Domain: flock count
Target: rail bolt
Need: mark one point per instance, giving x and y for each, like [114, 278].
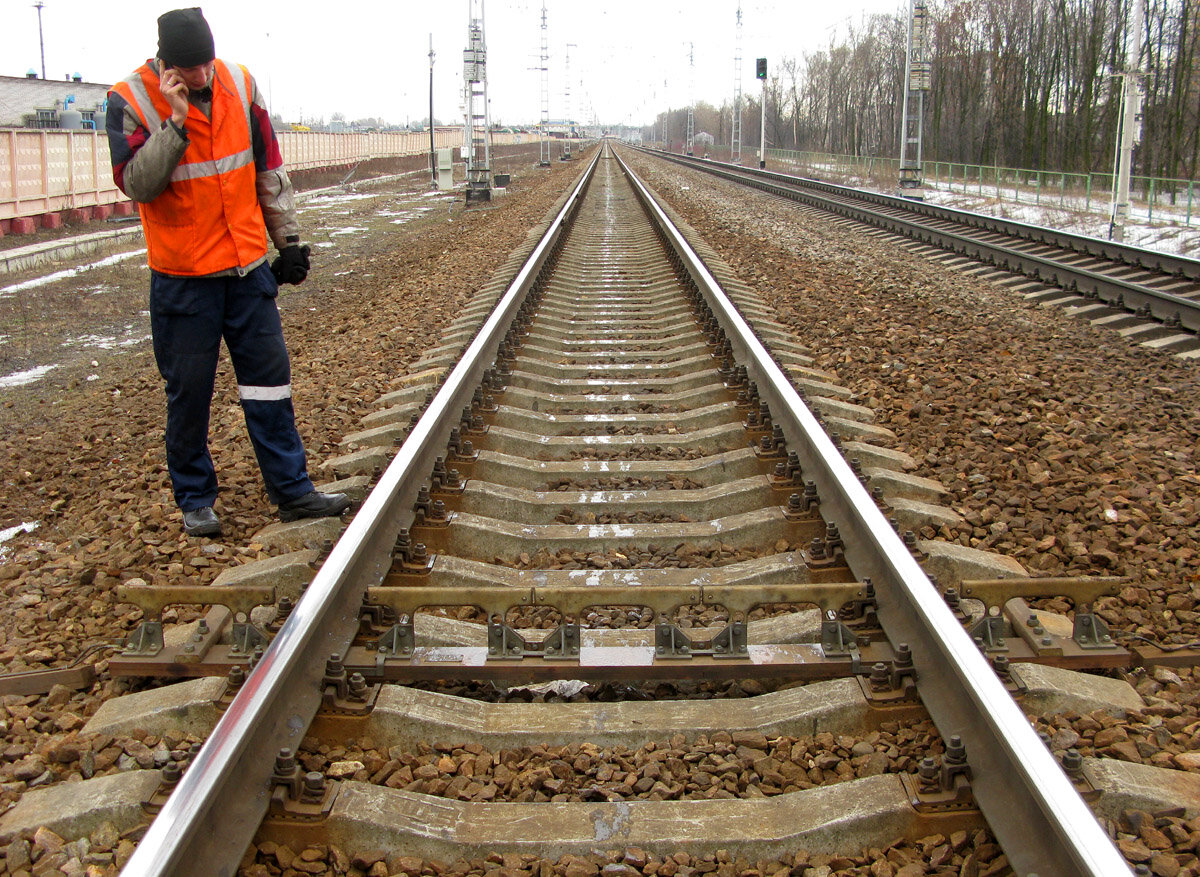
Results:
[927, 774]
[1072, 762]
[285, 764]
[314, 787]
[357, 687]
[334, 665]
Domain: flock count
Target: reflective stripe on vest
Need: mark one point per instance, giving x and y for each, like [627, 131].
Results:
[198, 169]
[139, 97]
[208, 219]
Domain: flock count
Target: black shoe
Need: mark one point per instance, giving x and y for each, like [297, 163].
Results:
[314, 504]
[201, 522]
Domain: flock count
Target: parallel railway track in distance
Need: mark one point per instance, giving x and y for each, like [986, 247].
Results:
[1152, 297]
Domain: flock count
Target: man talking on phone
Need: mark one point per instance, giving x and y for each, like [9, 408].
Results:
[192, 143]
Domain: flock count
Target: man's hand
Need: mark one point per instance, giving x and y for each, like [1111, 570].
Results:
[175, 90]
[291, 265]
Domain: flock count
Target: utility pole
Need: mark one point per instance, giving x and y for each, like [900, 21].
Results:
[544, 142]
[1131, 127]
[432, 151]
[666, 131]
[568, 109]
[690, 143]
[916, 83]
[41, 43]
[761, 72]
[735, 129]
[477, 134]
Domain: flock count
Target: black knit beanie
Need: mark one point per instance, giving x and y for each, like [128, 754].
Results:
[184, 38]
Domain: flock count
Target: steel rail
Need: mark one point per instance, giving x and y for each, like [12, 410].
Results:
[205, 826]
[1038, 817]
[1111, 290]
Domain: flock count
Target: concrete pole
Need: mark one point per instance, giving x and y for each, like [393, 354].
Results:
[1132, 93]
[41, 43]
[432, 151]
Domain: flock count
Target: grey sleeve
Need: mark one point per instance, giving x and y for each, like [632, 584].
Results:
[278, 204]
[148, 172]
[274, 187]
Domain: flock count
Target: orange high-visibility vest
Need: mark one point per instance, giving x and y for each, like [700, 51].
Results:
[208, 218]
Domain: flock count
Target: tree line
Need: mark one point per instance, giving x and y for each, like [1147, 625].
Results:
[1016, 83]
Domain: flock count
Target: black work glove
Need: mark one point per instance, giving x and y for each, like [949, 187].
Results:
[291, 265]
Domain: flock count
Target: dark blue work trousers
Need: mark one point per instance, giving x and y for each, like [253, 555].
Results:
[188, 317]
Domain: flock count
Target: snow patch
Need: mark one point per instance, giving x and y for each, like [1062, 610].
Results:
[104, 342]
[9, 533]
[327, 200]
[29, 376]
[70, 272]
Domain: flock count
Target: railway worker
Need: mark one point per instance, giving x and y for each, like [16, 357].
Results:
[192, 143]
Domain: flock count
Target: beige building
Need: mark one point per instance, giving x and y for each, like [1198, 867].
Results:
[32, 102]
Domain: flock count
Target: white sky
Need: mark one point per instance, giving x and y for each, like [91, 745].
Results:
[370, 58]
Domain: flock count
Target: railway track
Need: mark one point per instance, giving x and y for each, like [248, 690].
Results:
[1152, 298]
[623, 477]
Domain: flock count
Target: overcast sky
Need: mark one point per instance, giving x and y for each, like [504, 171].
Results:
[362, 58]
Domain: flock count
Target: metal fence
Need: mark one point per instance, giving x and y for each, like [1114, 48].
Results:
[1153, 199]
[45, 171]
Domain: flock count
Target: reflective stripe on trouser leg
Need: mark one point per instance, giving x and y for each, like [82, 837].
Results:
[254, 336]
[185, 319]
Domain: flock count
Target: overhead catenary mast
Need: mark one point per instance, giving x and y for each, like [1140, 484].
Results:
[666, 126]
[691, 122]
[735, 129]
[1130, 133]
[566, 156]
[477, 141]
[916, 84]
[544, 127]
[432, 153]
